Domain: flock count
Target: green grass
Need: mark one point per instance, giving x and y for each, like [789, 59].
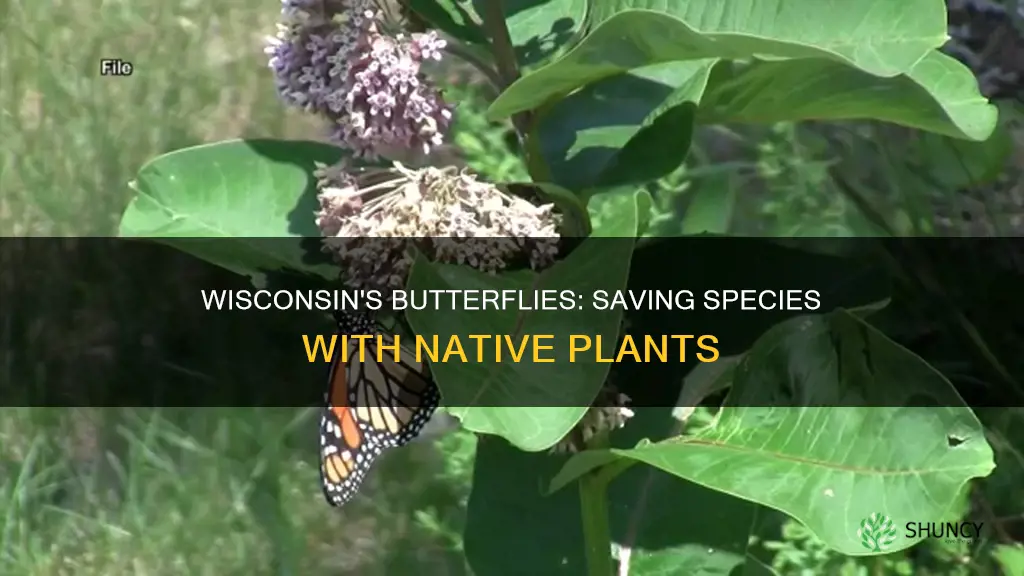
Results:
[72, 139]
[162, 490]
[215, 491]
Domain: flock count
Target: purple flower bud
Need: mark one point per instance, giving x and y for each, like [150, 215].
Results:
[388, 103]
[302, 58]
[367, 83]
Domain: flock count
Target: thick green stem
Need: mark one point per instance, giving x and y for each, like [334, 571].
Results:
[501, 42]
[504, 56]
[597, 537]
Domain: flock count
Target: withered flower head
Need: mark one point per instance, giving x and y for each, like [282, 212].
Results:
[368, 217]
[609, 412]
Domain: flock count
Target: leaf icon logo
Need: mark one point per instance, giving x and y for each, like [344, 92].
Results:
[877, 532]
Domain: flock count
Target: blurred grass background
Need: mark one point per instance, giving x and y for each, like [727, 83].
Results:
[162, 490]
[222, 490]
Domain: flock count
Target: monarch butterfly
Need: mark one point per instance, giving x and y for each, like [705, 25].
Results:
[368, 406]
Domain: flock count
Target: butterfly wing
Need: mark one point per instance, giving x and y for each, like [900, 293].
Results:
[396, 399]
[346, 452]
[369, 406]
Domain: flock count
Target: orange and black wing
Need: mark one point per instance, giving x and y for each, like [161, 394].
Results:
[346, 450]
[369, 406]
[394, 399]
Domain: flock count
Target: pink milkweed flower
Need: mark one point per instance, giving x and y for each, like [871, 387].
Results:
[366, 81]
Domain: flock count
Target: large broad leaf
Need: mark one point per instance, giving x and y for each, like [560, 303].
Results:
[635, 127]
[830, 422]
[632, 128]
[532, 404]
[877, 35]
[659, 524]
[880, 37]
[938, 95]
[840, 282]
[245, 205]
[538, 30]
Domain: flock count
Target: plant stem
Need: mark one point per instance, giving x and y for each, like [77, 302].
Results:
[501, 41]
[504, 55]
[597, 538]
[468, 56]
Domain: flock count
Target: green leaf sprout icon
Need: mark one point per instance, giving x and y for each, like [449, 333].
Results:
[877, 532]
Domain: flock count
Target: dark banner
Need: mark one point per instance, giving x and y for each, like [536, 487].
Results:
[112, 322]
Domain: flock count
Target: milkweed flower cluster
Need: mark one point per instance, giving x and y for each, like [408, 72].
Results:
[334, 58]
[369, 216]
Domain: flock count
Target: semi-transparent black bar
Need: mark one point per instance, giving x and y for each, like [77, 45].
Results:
[114, 322]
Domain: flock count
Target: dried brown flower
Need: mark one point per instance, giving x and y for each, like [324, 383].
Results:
[609, 412]
[369, 216]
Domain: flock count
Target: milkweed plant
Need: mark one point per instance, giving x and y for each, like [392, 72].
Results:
[604, 97]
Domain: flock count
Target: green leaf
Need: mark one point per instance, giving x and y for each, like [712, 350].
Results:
[1010, 558]
[829, 421]
[507, 505]
[632, 128]
[540, 29]
[671, 526]
[1002, 490]
[668, 526]
[451, 17]
[704, 380]
[532, 404]
[710, 205]
[245, 205]
[876, 35]
[959, 164]
[621, 212]
[880, 37]
[938, 94]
